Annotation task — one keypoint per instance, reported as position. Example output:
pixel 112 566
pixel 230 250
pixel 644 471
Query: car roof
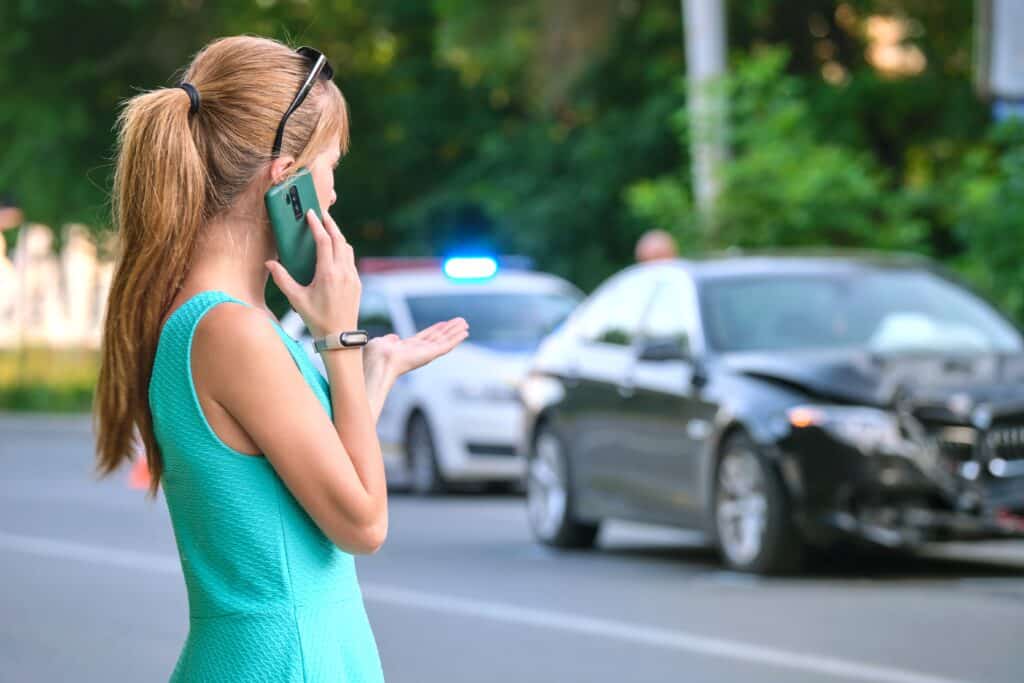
pixel 739 264
pixel 434 282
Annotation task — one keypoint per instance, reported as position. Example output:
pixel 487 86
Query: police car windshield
pixel 880 311
pixel 513 321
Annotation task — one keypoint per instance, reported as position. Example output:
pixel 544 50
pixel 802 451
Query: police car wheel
pixel 424 474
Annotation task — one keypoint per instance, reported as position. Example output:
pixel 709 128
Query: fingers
pixel 452 335
pixel 427 333
pixel 342 249
pixel 324 245
pixel 455 331
pixel 284 281
pixel 458 332
pixel 437 328
pixel 456 328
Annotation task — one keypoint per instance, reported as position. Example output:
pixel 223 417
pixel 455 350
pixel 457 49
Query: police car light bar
pixel 457 267
pixel 470 267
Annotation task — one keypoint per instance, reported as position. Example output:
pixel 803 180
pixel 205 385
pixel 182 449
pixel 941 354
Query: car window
pixel 672 314
pixel 613 315
pixel 505 320
pixel 374 314
pixel 882 310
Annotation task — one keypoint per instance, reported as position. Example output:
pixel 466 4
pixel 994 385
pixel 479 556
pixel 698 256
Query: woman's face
pixel 322 170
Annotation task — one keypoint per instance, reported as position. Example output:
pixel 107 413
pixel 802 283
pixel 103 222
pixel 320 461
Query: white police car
pixel 457 419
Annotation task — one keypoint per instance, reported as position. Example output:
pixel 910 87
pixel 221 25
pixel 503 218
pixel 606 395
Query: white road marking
pixel 509 613
pixel 70 550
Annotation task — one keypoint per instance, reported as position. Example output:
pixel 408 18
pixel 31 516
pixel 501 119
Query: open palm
pixel 405 355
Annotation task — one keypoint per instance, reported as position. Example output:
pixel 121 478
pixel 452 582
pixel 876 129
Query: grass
pixel 40 379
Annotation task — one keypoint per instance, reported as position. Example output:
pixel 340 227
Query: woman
pixel 273 476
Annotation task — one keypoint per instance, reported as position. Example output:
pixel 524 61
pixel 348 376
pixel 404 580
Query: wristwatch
pixel 345 340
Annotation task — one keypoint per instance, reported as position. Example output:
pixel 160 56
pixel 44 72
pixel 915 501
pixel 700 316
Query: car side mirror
pixel 665 349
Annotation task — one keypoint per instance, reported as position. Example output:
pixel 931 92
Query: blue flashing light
pixel 470 267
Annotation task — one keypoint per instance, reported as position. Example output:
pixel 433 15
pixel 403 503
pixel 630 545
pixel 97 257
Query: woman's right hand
pixel 392 354
pixel 330 302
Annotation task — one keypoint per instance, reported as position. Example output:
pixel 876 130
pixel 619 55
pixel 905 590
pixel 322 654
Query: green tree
pixel 986 199
pixel 785 185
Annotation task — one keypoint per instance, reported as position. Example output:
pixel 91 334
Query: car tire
pixel 424 474
pixel 549 497
pixel 752 518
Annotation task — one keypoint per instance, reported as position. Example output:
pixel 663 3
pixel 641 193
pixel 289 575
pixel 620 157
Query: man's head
pixel 10 215
pixel 656 244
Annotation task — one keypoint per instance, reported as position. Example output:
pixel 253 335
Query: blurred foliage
pixel 558 129
pixel 785 184
pixel 51 380
pixel 986 200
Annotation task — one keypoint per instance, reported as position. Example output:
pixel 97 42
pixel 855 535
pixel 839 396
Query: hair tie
pixel 193 97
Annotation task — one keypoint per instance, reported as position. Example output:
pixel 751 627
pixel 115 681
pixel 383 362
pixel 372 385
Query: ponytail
pixel 159 203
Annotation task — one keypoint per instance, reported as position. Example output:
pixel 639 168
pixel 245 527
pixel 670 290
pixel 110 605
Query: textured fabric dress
pixel 270 597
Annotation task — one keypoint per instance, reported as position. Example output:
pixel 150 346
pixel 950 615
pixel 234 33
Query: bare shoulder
pixel 234 340
pixel 235 325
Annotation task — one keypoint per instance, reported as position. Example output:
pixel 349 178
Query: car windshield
pixel 506 320
pixel 881 311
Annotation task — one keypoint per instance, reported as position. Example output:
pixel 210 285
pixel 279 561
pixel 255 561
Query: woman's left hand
pixel 398 356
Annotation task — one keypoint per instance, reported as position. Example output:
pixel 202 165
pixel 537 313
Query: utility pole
pixel 704 33
pixel 999 55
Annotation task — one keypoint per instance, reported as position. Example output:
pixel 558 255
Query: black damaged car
pixel 779 403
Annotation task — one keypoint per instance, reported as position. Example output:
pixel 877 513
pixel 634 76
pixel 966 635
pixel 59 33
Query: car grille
pixel 491 449
pixel 1005 442
pixel 969 452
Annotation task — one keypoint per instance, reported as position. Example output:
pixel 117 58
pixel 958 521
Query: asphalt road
pixel 91 590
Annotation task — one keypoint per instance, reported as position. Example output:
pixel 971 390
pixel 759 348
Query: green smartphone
pixel 287 203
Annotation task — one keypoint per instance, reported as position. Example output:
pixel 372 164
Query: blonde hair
pixel 175 171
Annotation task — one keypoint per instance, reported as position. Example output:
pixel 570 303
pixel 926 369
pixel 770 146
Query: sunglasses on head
pixel 319 68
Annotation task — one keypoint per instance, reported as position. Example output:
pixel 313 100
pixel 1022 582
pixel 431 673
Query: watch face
pixel 353 338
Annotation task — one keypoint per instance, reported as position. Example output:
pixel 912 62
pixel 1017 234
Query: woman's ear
pixel 280 167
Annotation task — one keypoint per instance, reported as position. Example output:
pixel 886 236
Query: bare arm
pixel 335 470
pixel 380 378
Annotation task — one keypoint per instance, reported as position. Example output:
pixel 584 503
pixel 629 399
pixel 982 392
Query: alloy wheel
pixel 741 506
pixel 546 489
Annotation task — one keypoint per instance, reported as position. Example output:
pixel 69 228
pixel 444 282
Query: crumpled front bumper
pixel 891 499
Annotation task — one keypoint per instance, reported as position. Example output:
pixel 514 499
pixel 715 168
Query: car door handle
pixel 626 390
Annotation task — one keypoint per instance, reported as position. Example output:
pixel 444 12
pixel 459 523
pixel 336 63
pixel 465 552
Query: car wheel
pixel 549 501
pixel 753 521
pixel 424 473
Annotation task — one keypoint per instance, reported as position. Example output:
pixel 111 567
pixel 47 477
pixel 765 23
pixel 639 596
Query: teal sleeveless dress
pixel 270 597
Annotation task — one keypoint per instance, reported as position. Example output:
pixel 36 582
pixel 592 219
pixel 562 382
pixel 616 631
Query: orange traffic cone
pixel 139 477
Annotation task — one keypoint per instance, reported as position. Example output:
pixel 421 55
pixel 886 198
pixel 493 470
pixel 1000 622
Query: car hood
pixel 957 382
pixel 481 363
